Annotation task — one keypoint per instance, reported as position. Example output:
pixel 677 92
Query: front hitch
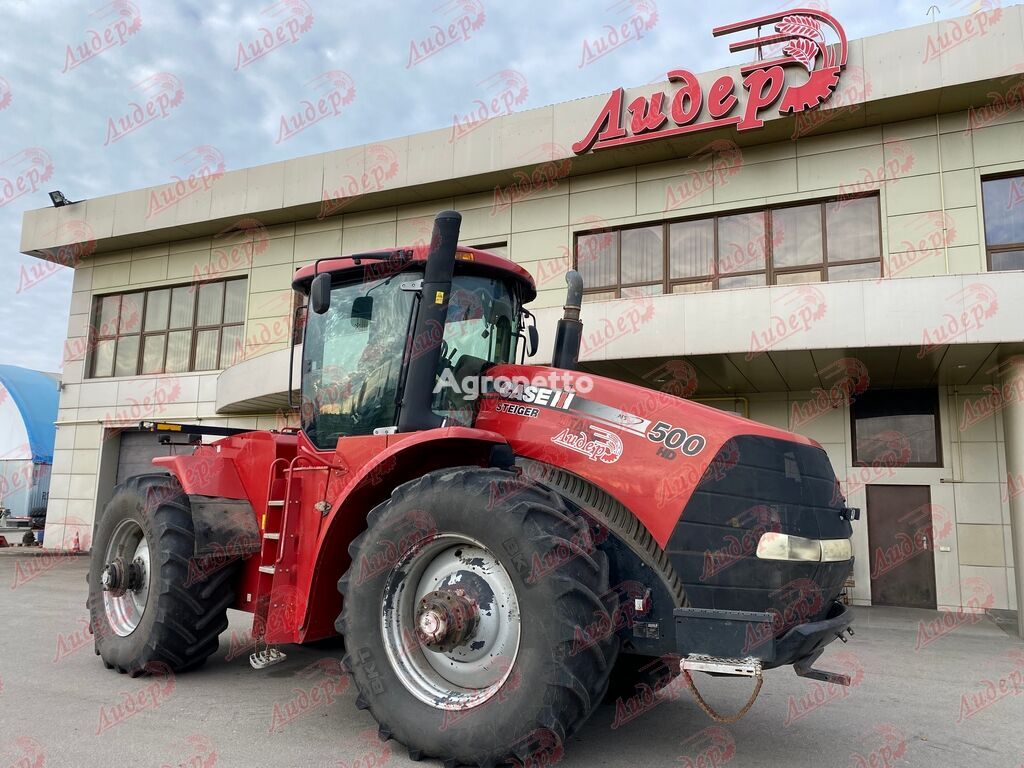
pixel 803 668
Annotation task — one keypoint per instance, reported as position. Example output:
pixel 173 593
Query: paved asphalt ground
pixel 954 702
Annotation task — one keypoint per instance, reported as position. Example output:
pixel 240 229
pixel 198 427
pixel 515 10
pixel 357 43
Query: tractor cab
pixel 373 333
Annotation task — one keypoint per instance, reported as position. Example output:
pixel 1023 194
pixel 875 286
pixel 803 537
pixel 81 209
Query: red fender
pixel 204 474
pixel 406 458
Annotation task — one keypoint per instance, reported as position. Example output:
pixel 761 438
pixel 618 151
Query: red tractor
pixel 497 543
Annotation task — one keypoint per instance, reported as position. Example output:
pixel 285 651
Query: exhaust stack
pixel 569 332
pixel 425 346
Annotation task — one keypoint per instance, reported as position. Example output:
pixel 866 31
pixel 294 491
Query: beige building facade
pixel 854 273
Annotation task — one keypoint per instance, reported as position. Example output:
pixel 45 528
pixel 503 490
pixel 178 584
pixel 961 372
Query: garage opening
pixel 136 454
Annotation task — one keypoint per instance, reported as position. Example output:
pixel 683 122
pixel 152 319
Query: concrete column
pixel 1012 389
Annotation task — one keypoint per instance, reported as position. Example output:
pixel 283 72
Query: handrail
pixel 320 459
pixel 286 508
pixel 270 482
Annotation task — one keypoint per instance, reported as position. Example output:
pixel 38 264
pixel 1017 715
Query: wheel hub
pixel 125 579
pixel 451 622
pixel 446 619
pixel 117 578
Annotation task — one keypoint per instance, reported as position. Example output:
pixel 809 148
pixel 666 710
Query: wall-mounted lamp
pixel 58 199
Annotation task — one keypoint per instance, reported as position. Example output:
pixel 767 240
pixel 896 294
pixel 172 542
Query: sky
pixel 71 69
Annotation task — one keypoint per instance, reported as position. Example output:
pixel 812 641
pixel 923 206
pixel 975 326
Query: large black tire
pixel 555 681
pixel 186 608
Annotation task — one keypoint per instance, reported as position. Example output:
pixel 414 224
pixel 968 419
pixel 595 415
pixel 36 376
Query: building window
pixel 897 427
pixel 498 249
pixel 1004 222
pixel 299 310
pixel 806 243
pixel 194 327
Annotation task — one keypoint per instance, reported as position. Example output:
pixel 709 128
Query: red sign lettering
pixel 803 36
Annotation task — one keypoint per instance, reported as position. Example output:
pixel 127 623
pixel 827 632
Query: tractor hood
pixel 647 449
pixel 751 517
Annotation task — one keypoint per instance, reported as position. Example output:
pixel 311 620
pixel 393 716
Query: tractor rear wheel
pixel 476 620
pixel 151 608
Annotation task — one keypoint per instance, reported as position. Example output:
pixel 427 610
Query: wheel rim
pixel 451 622
pixel 124 596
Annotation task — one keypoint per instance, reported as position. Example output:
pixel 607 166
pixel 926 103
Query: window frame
pixel 933 393
pixel 993 249
pixel 495 244
pixel 95 337
pixel 770 271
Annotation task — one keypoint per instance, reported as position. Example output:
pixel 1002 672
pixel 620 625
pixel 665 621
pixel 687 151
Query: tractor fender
pixel 455 446
pixel 223 519
pixel 407 457
pixel 205 474
pixel 639 568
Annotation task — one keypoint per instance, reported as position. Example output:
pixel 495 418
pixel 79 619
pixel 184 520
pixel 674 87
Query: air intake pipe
pixel 425 347
pixel 569 332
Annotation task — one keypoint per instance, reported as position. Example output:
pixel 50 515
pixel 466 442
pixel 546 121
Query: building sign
pixel 800 38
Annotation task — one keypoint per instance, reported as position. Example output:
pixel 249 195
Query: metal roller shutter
pixel 137 452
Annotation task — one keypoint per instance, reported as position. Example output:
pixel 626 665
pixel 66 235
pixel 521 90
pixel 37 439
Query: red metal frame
pixel 300 597
pixel 418 255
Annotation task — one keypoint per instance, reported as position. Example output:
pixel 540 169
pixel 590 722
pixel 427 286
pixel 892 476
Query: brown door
pixel 902 546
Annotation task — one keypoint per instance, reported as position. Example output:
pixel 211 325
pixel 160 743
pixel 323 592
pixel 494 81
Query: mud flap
pixel 224 528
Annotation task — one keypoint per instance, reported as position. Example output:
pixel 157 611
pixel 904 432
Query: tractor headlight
pixel 833 550
pixel 782 546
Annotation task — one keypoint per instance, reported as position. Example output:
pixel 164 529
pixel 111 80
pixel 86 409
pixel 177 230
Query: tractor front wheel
pixel 151 608
pixel 475 618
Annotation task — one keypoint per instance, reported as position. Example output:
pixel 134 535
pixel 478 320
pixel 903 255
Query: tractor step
pixel 266 658
pixel 274 536
pixel 749 667
pixel 266 569
pixel 275 503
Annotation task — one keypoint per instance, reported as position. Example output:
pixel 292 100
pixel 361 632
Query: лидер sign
pixel 800 37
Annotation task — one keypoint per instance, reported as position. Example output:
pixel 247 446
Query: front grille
pixel 756 484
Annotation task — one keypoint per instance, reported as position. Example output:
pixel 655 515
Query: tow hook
pixel 803 668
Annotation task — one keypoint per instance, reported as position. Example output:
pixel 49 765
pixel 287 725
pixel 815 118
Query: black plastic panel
pixel 758 484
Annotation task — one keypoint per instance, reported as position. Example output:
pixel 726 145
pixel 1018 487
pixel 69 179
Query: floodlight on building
pixel 58 199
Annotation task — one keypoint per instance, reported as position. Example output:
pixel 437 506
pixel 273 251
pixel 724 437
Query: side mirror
pixel 532 341
pixel 320 293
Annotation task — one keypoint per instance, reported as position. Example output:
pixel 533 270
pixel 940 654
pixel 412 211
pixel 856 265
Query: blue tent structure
pixel 25 471
pixel 36 394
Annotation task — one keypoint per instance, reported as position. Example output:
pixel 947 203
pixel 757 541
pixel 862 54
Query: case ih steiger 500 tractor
pixel 497 543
